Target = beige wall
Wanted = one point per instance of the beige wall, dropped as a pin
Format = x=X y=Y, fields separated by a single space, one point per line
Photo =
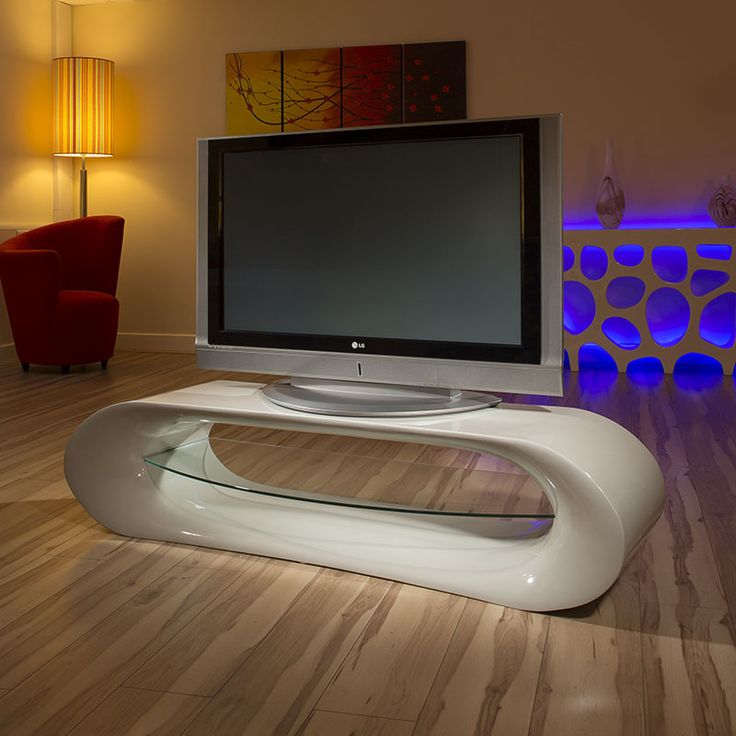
x=25 y=114
x=657 y=76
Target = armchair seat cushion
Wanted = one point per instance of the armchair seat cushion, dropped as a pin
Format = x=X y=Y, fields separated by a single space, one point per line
x=85 y=327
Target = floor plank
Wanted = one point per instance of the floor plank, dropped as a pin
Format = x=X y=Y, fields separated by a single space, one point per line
x=56 y=523
x=205 y=654
x=722 y=531
x=390 y=669
x=591 y=675
x=129 y=712
x=36 y=582
x=276 y=688
x=66 y=689
x=708 y=443
x=322 y=723
x=689 y=672
x=32 y=641
x=35 y=489
x=487 y=680
x=677 y=561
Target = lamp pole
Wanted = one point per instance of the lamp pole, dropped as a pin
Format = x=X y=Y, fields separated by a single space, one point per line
x=83 y=189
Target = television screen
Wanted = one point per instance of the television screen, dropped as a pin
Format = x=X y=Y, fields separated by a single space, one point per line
x=421 y=242
x=417 y=242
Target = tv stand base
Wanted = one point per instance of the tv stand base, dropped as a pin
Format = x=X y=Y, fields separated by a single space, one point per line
x=604 y=486
x=362 y=399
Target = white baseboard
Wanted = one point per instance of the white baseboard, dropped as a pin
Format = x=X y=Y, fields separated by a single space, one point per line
x=154 y=342
x=7 y=353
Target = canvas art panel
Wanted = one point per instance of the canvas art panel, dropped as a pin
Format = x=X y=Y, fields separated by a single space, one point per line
x=311 y=89
x=434 y=81
x=319 y=89
x=371 y=85
x=253 y=92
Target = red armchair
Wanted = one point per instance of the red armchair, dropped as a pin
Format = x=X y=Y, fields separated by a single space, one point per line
x=59 y=283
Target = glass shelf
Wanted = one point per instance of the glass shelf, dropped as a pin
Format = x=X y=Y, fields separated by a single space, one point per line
x=362 y=474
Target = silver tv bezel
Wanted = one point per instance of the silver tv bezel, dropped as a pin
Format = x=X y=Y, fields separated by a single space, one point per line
x=543 y=378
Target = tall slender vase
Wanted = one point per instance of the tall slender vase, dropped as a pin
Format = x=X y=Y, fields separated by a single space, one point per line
x=722 y=205
x=610 y=202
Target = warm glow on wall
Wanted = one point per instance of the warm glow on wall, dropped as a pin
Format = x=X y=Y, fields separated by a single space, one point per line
x=83 y=92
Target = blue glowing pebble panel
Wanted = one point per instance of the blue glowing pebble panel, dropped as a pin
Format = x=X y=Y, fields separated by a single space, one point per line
x=695 y=372
x=718 y=321
x=691 y=362
x=670 y=263
x=715 y=251
x=621 y=333
x=568 y=258
x=593 y=262
x=668 y=316
x=625 y=291
x=705 y=280
x=647 y=371
x=578 y=307
x=605 y=370
x=591 y=355
x=644 y=306
x=629 y=255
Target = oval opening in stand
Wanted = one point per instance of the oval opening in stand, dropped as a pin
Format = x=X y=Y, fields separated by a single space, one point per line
x=629 y=255
x=621 y=333
x=697 y=372
x=647 y=372
x=716 y=251
x=668 y=316
x=568 y=258
x=578 y=307
x=718 y=320
x=670 y=263
x=349 y=470
x=593 y=262
x=625 y=291
x=705 y=280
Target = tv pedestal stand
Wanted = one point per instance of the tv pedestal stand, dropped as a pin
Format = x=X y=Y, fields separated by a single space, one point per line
x=356 y=399
x=604 y=486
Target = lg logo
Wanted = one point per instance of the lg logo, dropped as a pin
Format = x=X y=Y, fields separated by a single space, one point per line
x=355 y=345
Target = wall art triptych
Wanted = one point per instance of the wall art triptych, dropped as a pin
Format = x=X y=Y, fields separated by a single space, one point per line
x=316 y=89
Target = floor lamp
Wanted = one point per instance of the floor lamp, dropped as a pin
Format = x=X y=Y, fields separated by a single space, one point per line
x=83 y=92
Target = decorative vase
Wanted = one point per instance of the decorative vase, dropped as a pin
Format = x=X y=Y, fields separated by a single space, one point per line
x=722 y=205
x=610 y=202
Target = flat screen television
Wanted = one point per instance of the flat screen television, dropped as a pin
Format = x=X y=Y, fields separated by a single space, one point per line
x=424 y=255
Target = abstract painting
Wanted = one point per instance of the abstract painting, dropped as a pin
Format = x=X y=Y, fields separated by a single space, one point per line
x=317 y=89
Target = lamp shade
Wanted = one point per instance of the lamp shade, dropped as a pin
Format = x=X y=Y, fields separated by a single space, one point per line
x=83 y=90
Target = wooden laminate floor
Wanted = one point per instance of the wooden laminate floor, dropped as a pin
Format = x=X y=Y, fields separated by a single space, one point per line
x=101 y=634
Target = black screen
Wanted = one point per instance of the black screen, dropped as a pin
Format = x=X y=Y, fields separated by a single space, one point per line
x=410 y=241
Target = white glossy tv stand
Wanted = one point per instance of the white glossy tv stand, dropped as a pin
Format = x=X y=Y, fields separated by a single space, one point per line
x=604 y=486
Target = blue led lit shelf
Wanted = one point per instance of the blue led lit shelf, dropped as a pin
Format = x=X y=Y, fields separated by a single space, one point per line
x=660 y=299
